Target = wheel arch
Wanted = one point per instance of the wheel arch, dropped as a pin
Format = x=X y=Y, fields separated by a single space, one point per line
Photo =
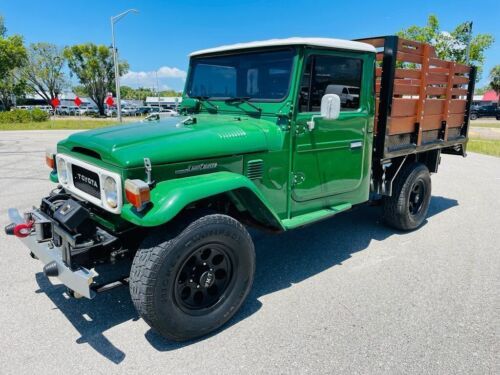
x=171 y=198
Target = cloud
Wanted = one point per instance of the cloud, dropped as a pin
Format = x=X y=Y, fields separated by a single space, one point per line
x=148 y=79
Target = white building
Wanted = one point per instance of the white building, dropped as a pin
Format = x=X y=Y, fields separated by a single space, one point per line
x=164 y=101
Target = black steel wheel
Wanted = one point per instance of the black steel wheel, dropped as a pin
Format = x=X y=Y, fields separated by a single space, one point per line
x=416 y=198
x=407 y=208
x=189 y=285
x=203 y=279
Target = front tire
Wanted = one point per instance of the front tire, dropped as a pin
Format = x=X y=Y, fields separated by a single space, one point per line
x=189 y=286
x=407 y=208
x=473 y=116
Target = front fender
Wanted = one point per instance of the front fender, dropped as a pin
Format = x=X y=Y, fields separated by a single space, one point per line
x=168 y=198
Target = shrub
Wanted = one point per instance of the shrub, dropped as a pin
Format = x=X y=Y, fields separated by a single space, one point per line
x=19 y=116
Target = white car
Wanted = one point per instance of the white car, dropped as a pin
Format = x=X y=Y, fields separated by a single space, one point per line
x=156 y=116
x=349 y=95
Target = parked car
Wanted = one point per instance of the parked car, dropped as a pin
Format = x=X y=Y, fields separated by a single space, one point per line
x=167 y=207
x=143 y=110
x=129 y=111
x=63 y=110
x=111 y=112
x=87 y=111
x=349 y=95
x=156 y=116
x=491 y=110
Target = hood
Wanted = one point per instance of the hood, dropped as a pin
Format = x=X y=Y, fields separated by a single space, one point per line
x=170 y=141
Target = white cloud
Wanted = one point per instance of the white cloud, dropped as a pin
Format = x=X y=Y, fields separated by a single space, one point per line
x=148 y=79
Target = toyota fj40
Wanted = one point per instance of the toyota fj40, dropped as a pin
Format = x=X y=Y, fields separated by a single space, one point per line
x=263 y=141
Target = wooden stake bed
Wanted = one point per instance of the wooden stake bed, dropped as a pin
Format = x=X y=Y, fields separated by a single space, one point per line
x=422 y=102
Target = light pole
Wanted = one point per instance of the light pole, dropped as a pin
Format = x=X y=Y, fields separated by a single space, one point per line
x=114 y=20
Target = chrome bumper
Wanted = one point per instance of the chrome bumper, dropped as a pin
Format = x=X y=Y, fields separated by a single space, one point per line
x=79 y=281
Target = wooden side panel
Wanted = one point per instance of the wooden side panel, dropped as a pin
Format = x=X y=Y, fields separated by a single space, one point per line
x=404 y=107
x=458 y=106
x=428 y=92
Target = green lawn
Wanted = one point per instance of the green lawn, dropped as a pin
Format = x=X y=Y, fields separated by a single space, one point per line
x=475 y=124
x=482 y=146
x=59 y=124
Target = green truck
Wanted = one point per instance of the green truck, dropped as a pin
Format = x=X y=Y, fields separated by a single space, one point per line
x=273 y=135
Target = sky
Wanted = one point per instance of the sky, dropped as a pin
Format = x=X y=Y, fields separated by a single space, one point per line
x=158 y=40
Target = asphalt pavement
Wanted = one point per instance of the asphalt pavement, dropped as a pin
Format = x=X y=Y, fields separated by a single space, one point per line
x=345 y=296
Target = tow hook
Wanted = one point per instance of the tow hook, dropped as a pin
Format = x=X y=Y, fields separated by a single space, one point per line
x=19 y=230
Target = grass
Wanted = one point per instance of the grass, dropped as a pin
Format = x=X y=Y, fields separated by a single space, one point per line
x=475 y=124
x=59 y=124
x=482 y=146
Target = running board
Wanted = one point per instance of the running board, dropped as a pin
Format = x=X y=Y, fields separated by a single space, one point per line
x=315 y=216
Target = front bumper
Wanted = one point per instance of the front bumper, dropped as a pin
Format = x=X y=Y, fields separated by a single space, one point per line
x=79 y=281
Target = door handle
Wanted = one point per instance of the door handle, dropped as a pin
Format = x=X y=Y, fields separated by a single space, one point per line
x=357 y=144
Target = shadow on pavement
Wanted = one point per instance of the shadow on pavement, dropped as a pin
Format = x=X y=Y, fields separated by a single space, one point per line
x=282 y=260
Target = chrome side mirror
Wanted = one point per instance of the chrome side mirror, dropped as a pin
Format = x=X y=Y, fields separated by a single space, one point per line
x=330 y=109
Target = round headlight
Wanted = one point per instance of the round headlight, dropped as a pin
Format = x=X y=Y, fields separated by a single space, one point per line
x=62 y=171
x=110 y=192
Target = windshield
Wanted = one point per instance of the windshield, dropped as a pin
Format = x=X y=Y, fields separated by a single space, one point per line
x=255 y=75
x=354 y=90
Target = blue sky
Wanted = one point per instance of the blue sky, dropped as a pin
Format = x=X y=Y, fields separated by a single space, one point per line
x=161 y=36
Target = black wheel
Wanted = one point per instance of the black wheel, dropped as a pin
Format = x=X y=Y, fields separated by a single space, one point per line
x=473 y=116
x=407 y=208
x=498 y=117
x=190 y=285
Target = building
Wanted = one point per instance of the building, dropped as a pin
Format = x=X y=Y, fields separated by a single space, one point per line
x=163 y=101
x=488 y=98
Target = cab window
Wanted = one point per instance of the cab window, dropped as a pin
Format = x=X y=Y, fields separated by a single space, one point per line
x=330 y=75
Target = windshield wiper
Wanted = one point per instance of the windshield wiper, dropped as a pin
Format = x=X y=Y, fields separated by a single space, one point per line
x=243 y=99
x=205 y=99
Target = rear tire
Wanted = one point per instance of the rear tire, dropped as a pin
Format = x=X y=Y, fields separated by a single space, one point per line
x=473 y=116
x=190 y=285
x=407 y=208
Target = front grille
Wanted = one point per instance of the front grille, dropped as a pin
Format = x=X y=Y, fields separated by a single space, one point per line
x=86 y=181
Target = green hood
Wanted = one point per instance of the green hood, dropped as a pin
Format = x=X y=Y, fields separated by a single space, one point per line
x=170 y=141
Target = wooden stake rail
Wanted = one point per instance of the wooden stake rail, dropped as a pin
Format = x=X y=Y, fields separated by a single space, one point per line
x=427 y=97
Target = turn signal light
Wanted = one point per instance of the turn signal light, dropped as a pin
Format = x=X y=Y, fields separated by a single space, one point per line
x=50 y=160
x=137 y=193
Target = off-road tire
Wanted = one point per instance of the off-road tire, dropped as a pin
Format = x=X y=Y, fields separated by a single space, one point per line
x=397 y=208
x=159 y=262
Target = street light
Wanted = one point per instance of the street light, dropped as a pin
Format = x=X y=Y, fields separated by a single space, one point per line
x=114 y=20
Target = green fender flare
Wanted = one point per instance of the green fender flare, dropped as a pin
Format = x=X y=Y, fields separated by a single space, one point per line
x=168 y=198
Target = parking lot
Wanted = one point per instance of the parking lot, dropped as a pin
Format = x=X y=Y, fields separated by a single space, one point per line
x=347 y=295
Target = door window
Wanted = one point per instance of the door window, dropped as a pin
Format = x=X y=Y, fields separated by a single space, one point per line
x=330 y=75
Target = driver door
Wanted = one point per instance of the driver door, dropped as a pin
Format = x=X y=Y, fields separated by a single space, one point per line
x=328 y=159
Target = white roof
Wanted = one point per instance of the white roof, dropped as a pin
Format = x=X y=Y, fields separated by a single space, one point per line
x=317 y=42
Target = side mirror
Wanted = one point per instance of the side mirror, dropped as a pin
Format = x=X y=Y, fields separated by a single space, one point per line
x=330 y=109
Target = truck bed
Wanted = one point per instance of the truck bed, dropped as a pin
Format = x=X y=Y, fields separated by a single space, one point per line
x=422 y=102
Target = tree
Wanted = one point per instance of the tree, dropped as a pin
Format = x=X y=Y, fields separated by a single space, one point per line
x=44 y=71
x=142 y=93
x=480 y=90
x=451 y=45
x=93 y=65
x=3 y=29
x=80 y=91
x=495 y=80
x=12 y=57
